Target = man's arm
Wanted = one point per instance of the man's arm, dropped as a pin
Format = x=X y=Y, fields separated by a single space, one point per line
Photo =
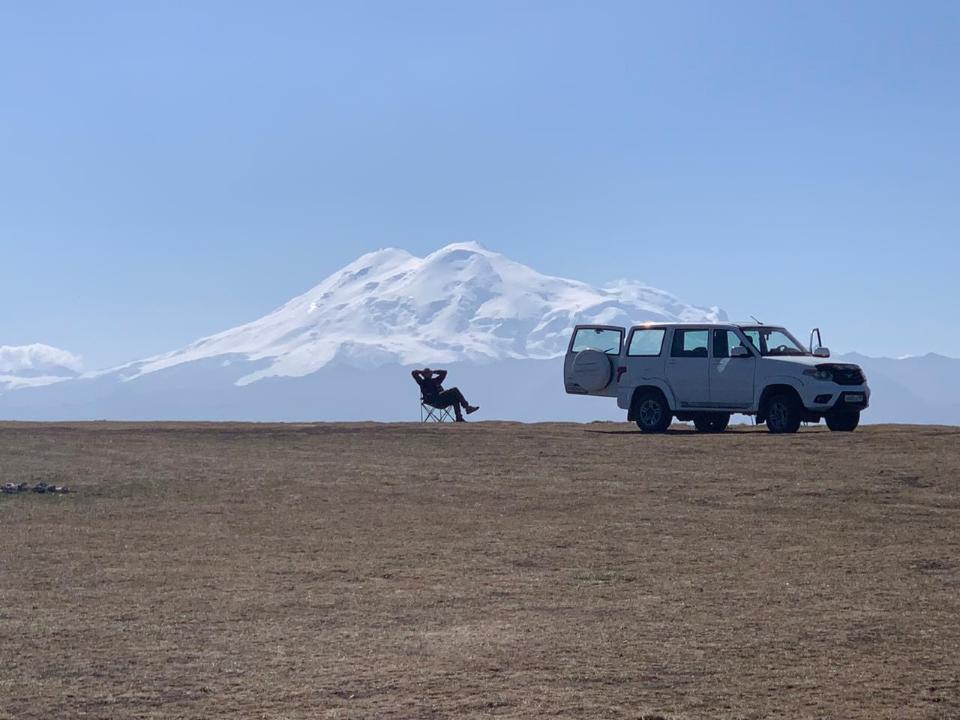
x=416 y=375
x=441 y=376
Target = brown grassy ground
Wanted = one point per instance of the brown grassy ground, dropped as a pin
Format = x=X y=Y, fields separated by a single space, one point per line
x=348 y=571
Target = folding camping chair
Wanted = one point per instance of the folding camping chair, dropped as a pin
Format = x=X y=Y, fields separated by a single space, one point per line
x=428 y=413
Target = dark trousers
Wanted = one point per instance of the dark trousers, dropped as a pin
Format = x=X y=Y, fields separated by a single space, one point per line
x=448 y=398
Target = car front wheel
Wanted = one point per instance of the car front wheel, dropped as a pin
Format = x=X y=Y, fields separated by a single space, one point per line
x=783 y=414
x=843 y=421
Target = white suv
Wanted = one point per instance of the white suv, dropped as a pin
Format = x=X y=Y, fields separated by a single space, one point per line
x=705 y=372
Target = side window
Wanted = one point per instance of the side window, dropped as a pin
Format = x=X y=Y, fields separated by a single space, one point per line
x=689 y=343
x=646 y=343
x=604 y=340
x=754 y=337
x=724 y=341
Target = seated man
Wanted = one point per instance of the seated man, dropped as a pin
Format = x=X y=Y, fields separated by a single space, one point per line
x=431 y=388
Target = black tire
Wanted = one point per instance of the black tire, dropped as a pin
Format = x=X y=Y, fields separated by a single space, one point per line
x=711 y=422
x=651 y=412
x=843 y=421
x=783 y=413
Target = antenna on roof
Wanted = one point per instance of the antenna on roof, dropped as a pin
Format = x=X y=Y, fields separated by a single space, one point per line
x=756 y=321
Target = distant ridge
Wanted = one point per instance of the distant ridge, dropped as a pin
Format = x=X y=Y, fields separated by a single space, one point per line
x=342 y=351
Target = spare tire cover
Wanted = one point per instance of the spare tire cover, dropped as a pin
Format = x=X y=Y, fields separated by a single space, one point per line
x=592 y=370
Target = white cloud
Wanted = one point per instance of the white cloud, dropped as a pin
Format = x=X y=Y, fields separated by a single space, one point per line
x=36 y=358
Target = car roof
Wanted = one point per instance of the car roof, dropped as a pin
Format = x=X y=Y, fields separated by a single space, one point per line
x=691 y=324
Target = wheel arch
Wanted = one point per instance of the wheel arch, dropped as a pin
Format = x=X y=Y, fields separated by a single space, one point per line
x=642 y=389
x=773 y=389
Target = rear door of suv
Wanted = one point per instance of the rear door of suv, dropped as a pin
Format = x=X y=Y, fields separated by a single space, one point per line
x=688 y=367
x=592 y=360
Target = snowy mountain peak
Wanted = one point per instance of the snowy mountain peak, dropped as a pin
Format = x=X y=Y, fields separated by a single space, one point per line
x=461 y=302
x=469 y=246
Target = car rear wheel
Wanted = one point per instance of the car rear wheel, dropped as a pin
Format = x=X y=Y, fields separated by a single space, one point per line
x=843 y=421
x=652 y=413
x=783 y=414
x=712 y=422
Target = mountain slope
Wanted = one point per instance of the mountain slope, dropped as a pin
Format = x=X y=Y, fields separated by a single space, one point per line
x=460 y=303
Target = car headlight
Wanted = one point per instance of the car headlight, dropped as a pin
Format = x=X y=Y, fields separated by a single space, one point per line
x=819 y=374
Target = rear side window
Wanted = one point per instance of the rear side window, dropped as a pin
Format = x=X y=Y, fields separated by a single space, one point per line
x=606 y=341
x=646 y=343
x=689 y=343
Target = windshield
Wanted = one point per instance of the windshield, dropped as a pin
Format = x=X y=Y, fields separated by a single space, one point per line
x=773 y=341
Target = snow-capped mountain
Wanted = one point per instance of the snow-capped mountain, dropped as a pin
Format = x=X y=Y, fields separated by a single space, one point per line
x=460 y=303
x=343 y=351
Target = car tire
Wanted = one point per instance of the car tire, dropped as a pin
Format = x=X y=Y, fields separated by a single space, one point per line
x=783 y=414
x=843 y=421
x=652 y=414
x=711 y=422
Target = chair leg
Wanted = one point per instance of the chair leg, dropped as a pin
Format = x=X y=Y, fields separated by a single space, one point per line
x=432 y=414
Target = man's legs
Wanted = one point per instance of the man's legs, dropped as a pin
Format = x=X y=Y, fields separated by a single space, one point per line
x=453 y=397
x=464 y=404
x=462 y=401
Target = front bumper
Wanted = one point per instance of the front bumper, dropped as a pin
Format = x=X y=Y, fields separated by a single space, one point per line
x=831 y=398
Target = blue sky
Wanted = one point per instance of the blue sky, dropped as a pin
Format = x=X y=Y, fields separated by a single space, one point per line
x=171 y=169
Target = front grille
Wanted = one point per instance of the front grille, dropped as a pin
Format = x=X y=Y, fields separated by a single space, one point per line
x=847 y=375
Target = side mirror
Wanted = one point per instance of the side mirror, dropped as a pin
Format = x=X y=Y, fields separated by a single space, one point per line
x=739 y=352
x=822 y=352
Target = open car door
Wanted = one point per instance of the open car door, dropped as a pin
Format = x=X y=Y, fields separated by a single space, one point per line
x=593 y=355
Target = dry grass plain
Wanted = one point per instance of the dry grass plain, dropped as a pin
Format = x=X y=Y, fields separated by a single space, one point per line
x=485 y=570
